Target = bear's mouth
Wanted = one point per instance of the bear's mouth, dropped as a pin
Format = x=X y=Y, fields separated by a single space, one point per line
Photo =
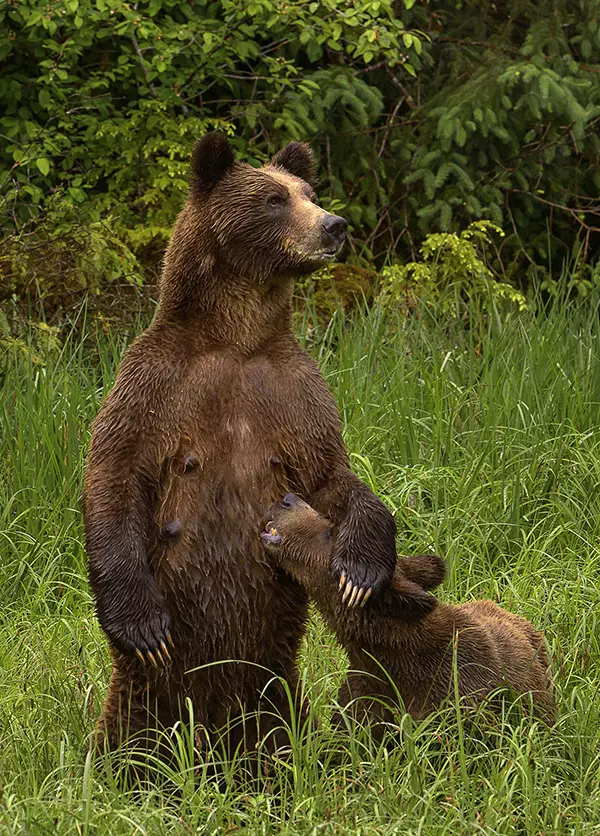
x=270 y=535
x=330 y=254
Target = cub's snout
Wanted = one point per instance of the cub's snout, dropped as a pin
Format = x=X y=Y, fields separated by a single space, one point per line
x=282 y=516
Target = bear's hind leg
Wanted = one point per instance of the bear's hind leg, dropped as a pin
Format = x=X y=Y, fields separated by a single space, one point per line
x=131 y=728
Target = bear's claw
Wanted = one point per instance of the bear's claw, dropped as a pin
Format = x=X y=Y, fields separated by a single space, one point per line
x=367 y=595
x=353 y=594
x=144 y=634
x=161 y=653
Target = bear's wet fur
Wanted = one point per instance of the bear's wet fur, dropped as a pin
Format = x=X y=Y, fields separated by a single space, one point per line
x=216 y=412
x=407 y=633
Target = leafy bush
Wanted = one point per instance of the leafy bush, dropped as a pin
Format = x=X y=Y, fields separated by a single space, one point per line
x=122 y=89
x=508 y=128
x=426 y=116
x=49 y=270
x=32 y=342
x=453 y=272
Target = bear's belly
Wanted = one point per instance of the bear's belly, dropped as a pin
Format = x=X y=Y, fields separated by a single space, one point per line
x=209 y=561
x=235 y=616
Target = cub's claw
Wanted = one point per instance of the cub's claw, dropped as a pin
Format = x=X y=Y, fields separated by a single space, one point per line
x=170 y=640
x=140 y=656
x=165 y=651
x=347 y=592
x=342 y=581
x=150 y=656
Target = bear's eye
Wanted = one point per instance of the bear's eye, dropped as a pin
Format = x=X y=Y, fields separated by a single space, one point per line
x=276 y=200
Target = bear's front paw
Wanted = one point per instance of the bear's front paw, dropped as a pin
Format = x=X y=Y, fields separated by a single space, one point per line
x=147 y=637
x=364 y=552
x=358 y=582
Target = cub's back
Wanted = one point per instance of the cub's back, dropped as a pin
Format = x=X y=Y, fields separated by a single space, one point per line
x=521 y=648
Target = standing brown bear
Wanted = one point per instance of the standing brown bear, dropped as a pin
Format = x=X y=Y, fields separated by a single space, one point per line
x=215 y=413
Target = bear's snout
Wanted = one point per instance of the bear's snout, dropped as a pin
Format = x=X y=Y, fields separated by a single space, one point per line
x=333 y=231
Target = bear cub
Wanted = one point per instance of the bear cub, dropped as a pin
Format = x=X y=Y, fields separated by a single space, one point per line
x=407 y=631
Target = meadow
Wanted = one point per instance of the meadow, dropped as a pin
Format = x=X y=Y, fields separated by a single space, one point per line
x=485 y=442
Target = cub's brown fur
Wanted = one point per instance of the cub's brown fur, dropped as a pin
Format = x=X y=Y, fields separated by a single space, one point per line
x=492 y=646
x=215 y=413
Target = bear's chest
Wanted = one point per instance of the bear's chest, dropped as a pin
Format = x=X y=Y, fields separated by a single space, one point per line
x=248 y=417
x=248 y=434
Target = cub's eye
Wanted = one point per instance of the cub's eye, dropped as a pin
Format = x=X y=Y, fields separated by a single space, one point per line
x=276 y=200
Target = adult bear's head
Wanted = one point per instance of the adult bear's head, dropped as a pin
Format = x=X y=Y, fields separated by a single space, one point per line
x=265 y=221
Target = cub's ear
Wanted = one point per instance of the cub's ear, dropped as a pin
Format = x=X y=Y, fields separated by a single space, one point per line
x=405 y=601
x=298 y=159
x=427 y=570
x=212 y=157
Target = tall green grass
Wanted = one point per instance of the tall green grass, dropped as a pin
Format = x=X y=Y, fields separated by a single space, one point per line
x=484 y=440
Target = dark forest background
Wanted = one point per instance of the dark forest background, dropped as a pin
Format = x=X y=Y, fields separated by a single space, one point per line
x=425 y=117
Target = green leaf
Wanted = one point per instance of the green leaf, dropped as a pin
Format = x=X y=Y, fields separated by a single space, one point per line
x=43 y=165
x=78 y=195
x=44 y=97
x=314 y=51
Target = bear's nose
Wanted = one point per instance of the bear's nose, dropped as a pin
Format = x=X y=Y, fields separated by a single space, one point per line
x=289 y=500
x=335 y=228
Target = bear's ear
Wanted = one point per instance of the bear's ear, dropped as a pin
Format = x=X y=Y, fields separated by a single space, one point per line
x=298 y=159
x=405 y=601
x=212 y=157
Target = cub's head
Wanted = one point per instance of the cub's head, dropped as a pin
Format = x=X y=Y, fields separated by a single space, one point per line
x=300 y=539
x=265 y=220
x=302 y=542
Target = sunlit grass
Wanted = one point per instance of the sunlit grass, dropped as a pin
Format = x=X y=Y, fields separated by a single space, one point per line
x=485 y=441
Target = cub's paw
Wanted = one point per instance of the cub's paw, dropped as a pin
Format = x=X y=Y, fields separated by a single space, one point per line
x=148 y=637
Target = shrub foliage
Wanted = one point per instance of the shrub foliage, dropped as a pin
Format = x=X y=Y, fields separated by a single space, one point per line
x=426 y=117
